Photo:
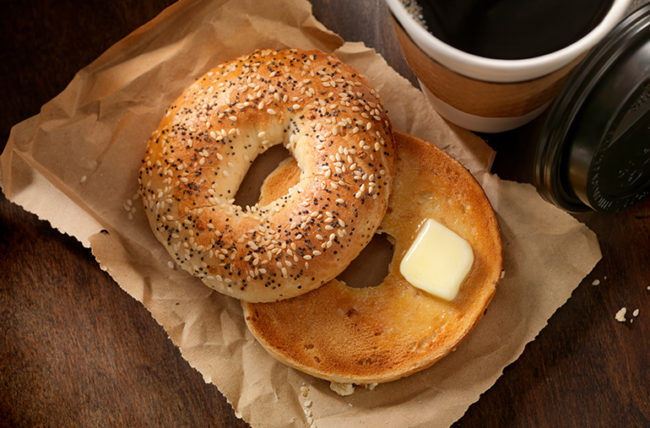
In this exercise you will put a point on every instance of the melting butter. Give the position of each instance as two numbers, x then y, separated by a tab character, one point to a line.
437	261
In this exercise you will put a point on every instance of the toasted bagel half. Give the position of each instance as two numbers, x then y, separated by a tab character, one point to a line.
382	333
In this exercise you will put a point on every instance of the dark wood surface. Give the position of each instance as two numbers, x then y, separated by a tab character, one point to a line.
75	350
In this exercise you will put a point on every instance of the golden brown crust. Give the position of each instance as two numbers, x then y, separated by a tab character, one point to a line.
378	334
325	113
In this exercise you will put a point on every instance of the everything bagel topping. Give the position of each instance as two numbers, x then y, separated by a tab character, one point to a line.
330	120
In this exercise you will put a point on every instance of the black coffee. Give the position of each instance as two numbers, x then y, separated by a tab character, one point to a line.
512	29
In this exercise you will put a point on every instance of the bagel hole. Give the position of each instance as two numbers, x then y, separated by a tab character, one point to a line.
370	267
249	189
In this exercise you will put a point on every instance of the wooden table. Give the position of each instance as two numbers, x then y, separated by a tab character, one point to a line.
75	350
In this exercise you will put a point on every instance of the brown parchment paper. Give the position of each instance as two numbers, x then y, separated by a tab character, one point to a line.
75	165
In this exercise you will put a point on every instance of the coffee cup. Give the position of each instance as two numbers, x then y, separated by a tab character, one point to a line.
487	93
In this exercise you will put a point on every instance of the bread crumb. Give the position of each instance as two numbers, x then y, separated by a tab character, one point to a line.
170	264
503	273
635	313
620	315
83	179
343	389
596	282
307	403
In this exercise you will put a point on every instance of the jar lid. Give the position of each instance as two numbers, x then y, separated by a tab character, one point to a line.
594	145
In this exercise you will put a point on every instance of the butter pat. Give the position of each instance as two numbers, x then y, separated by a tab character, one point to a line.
437	261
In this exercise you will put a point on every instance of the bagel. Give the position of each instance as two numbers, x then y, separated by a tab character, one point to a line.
379	334
327	116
